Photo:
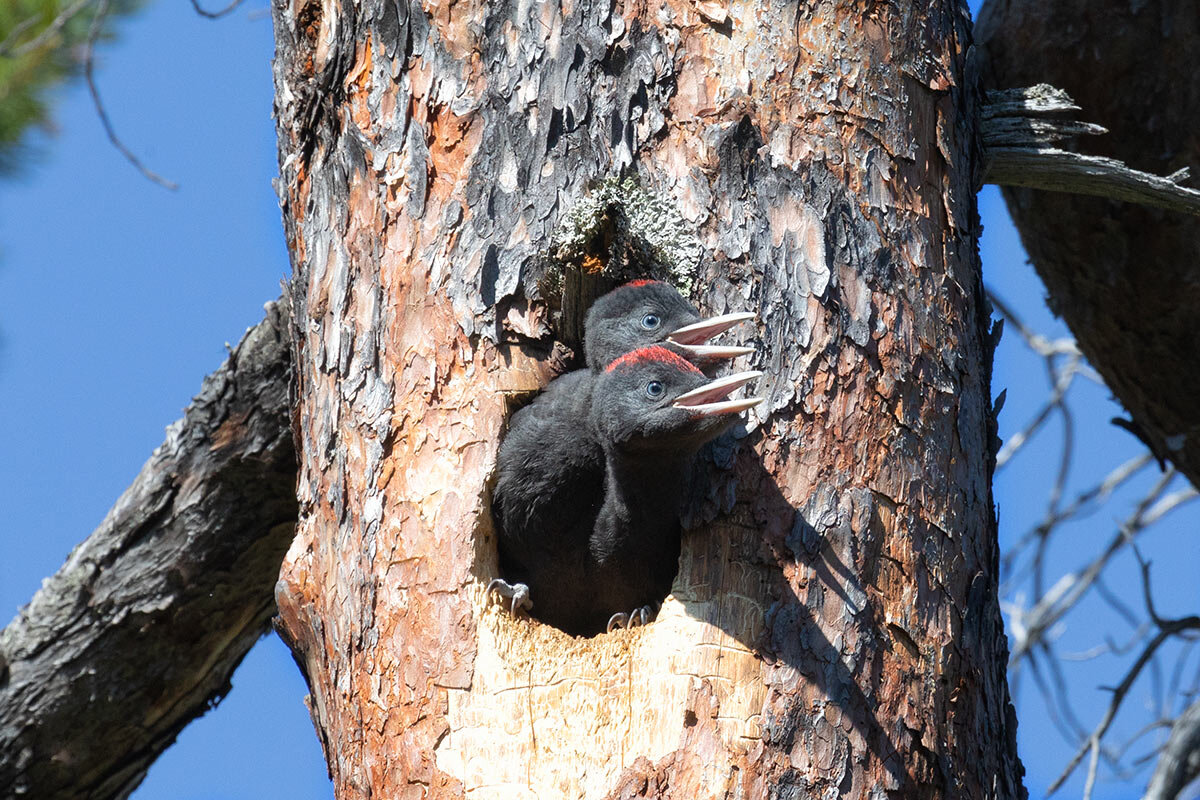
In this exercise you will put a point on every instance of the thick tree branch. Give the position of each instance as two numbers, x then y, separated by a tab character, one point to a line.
139	631
1019	151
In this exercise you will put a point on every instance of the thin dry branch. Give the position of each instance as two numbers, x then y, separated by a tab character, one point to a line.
89	74
1083	502
7	50
215	14
1030	626
1167	628
1179	762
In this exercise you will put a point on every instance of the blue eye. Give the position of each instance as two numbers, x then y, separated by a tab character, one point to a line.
651	321
654	389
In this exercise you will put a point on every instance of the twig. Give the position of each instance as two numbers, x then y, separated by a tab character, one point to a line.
1166	629
88	69
1123	610
215	14
15	34
54	27
1109	645
1176	679
1068	726
1051	607
1118	696
1100	491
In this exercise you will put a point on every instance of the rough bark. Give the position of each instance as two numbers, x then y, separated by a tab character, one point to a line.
1126	279
140	630
835	630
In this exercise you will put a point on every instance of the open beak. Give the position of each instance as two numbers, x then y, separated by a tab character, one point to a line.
704	352
691	338
708	400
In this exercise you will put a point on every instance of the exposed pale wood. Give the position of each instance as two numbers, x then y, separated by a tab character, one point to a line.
1124	277
139	631
835	631
1018	151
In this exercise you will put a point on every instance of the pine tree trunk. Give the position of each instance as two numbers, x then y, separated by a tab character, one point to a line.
834	628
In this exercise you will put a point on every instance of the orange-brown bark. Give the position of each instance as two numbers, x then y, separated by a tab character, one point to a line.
835	630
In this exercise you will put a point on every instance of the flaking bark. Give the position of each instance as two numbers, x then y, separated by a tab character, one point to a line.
1125	278
836	629
140	630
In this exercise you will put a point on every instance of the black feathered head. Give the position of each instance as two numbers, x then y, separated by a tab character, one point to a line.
652	399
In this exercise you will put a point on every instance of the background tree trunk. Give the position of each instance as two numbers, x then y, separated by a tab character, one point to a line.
835	630
1125	278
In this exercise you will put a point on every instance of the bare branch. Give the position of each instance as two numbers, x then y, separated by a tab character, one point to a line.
1093	741
42	38
1179	763
14	35
1081	504
1040	99
88	72
1051	607
1166	629
215	14
1056	170
173	588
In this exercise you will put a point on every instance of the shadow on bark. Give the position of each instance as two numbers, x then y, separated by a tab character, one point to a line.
765	574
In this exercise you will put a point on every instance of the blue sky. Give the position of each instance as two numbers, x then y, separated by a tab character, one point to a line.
121	297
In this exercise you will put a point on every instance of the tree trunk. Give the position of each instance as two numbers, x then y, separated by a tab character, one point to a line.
1125	278
834	628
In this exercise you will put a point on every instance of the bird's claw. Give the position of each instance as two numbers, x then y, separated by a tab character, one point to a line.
641	615
517	593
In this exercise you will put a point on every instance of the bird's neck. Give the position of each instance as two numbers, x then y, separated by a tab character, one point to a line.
647	487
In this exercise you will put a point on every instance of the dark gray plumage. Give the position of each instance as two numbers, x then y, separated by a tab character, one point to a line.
589	483
642	313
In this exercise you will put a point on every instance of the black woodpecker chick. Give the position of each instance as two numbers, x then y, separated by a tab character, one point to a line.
643	313
610	546
551	467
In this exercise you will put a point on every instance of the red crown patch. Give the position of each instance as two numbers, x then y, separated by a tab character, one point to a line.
639	282
655	353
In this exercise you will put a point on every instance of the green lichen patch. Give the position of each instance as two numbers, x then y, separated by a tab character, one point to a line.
621	230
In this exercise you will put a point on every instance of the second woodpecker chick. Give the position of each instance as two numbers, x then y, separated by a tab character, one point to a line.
613	557
644	313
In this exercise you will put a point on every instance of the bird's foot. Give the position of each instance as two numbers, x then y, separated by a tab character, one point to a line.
643	615
516	593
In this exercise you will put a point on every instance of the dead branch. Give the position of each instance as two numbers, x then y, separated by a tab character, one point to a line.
1019	138
1167	628
89	64
1179	763
157	607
